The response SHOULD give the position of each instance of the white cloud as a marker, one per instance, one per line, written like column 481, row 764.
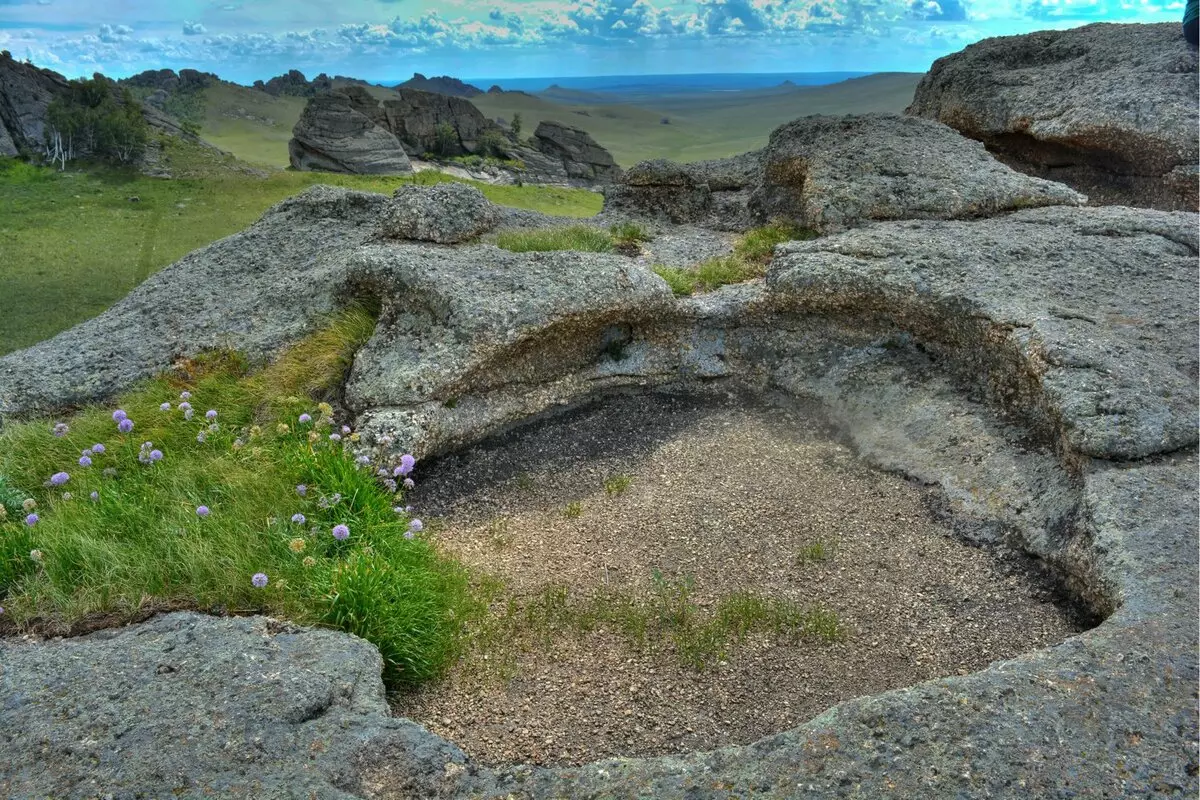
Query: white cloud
column 193, row 28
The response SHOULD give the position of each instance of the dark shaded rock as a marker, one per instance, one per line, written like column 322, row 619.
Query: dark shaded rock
column 295, row 84
column 415, row 117
column 831, row 173
column 163, row 79
column 660, row 188
column 332, row 135
column 581, row 157
column 495, row 89
column 25, row 94
column 1108, row 109
column 441, row 84
column 447, row 213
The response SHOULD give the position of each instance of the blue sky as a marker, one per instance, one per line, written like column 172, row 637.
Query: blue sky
column 387, row 40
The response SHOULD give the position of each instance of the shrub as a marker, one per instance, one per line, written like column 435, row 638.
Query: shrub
column 574, row 237
column 445, row 139
column 242, row 510
column 492, row 143
column 92, row 119
column 516, row 125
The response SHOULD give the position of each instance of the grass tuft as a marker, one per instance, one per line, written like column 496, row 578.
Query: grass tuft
column 617, row 484
column 123, row 531
column 584, row 238
column 758, row 245
column 749, row 260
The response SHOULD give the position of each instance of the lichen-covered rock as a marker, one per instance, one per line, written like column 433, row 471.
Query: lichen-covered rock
column 415, row 117
column 25, row 94
column 446, row 213
column 1110, row 109
column 333, row 135
column 832, row 173
column 714, row 193
column 581, row 157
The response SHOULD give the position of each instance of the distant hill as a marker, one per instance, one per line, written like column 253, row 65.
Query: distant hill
column 442, row 84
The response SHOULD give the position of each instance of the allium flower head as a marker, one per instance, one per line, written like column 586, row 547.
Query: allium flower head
column 410, row 534
column 165, row 407
column 67, row 496
column 362, row 461
column 214, row 428
column 301, row 490
column 95, row 496
column 345, row 430
column 188, row 414
column 298, row 519
column 125, row 425
column 416, row 525
column 202, row 511
column 98, row 448
column 32, row 520
column 296, row 545
column 313, row 436
column 335, row 437
column 185, row 406
column 60, row 430
column 202, row 437
column 156, row 455
column 85, row 461
column 409, row 483
column 259, row 579
column 119, row 415
column 399, row 509
column 325, row 408
column 36, row 555
column 391, row 485
column 407, row 462
column 210, row 414
column 341, row 532
column 185, row 395
column 59, row 478
column 305, row 419
column 29, row 504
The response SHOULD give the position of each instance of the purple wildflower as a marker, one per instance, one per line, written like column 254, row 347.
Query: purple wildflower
column 185, row 395
column 341, row 532
column 119, row 415
column 97, row 448
column 399, row 509
column 202, row 437
column 95, row 496
column 302, row 490
column 185, row 406
column 407, row 462
column 409, row 535
column 408, row 509
column 362, row 461
column 32, row 520
column 334, row 437
column 409, row 483
column 305, row 418
column 125, row 425
column 259, row 579
column 416, row 525
column 210, row 414
column 60, row 430
column 298, row 519
column 201, row 511
column 59, row 478
column 345, row 430
column 165, row 407
column 85, row 461
column 390, row 484
column 156, row 455
column 188, row 414
column 214, row 428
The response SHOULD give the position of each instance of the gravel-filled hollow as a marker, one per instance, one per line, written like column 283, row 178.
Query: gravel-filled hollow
column 725, row 495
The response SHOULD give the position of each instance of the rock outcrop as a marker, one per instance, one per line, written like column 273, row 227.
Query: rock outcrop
column 333, row 135
column 1108, row 109
column 415, row 117
column 25, row 94
column 441, row 84
column 832, row 173
column 447, row 213
column 581, row 158
column 1039, row 367
column 294, row 83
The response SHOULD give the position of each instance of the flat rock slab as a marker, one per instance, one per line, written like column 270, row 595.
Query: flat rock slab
column 1110, row 109
column 1097, row 307
column 832, row 173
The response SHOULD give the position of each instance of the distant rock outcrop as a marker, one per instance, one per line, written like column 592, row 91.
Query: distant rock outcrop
column 581, row 157
column 294, row 83
column 415, row 116
column 333, row 135
column 1108, row 109
column 441, row 84
column 168, row 80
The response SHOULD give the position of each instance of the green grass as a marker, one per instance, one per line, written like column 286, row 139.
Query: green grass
column 749, row 260
column 617, row 484
column 816, row 552
column 141, row 541
column 574, row 237
column 73, row 243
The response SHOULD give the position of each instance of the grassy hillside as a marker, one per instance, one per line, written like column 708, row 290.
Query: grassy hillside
column 74, row 243
column 252, row 125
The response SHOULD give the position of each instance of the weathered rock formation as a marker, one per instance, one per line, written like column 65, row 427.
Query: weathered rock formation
column 831, row 173
column 441, row 84
column 421, row 121
column 295, row 84
column 25, row 94
column 447, row 213
column 185, row 81
column 581, row 158
column 333, row 135
column 1108, row 109
column 1039, row 366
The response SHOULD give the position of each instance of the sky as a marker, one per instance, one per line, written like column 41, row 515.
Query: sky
column 388, row 40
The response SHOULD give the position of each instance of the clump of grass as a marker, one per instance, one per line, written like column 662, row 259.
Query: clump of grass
column 617, row 484
column 628, row 237
column 682, row 281
column 816, row 551
column 758, row 244
column 718, row 272
column 585, row 238
column 254, row 506
column 574, row 510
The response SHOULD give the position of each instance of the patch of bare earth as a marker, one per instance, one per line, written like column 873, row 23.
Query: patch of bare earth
column 735, row 496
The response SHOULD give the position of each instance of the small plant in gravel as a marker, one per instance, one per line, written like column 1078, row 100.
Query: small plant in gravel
column 220, row 486
column 574, row 510
column 500, row 533
column 816, row 551
column 586, row 238
column 525, row 482
column 628, row 237
column 617, row 484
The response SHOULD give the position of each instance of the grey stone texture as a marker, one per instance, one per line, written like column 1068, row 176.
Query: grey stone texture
column 580, row 156
column 334, row 136
column 446, row 213
column 1109, row 109
column 25, row 94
